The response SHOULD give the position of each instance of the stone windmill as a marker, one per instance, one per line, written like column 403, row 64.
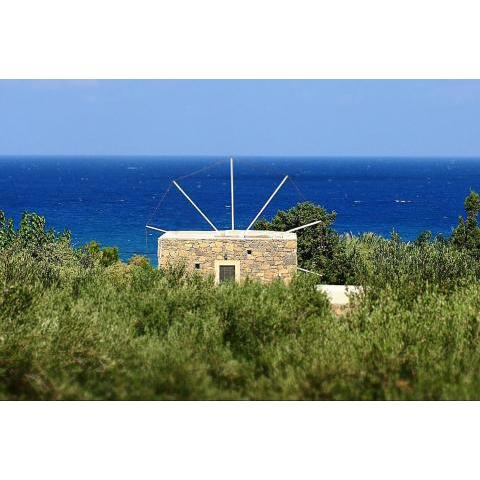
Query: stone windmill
column 232, row 255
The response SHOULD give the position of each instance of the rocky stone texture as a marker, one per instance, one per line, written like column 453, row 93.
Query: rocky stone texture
column 269, row 259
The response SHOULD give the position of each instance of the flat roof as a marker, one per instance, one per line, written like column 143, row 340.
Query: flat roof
column 229, row 234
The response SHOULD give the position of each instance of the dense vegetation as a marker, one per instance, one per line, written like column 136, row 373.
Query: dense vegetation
column 80, row 324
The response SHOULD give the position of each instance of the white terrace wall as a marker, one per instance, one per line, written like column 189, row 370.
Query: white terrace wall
column 263, row 259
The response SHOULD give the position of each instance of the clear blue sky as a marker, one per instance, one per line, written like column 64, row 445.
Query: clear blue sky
column 271, row 117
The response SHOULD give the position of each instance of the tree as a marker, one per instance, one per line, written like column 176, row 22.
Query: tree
column 109, row 256
column 467, row 233
column 106, row 256
column 320, row 248
column 7, row 230
column 31, row 234
column 423, row 238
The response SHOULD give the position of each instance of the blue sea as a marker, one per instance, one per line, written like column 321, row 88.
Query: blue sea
column 111, row 199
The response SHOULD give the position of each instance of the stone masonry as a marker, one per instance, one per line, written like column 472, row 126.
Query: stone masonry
column 260, row 255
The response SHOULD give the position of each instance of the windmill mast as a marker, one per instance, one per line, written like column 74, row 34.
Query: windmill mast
column 232, row 204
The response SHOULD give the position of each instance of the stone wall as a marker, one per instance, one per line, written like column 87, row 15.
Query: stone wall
column 269, row 258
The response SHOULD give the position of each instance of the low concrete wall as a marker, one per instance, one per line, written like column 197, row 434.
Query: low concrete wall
column 338, row 294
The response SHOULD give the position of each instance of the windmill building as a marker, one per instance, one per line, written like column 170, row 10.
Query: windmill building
column 232, row 255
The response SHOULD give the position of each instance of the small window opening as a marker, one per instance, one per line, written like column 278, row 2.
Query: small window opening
column 249, row 252
column 197, row 266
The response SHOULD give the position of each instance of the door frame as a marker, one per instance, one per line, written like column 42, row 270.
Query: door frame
column 235, row 263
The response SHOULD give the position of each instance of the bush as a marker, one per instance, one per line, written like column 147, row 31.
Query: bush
column 105, row 257
column 109, row 256
column 140, row 261
column 73, row 326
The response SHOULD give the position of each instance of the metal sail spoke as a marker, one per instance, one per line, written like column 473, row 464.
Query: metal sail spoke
column 267, row 202
column 304, row 226
column 194, row 205
column 156, row 228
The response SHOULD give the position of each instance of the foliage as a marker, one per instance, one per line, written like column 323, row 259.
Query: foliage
column 106, row 256
column 73, row 327
column 109, row 256
column 320, row 248
column 140, row 261
column 467, row 233
column 412, row 268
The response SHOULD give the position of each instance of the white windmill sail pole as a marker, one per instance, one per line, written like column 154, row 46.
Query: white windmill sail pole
column 267, row 202
column 194, row 205
column 304, row 226
column 155, row 228
column 309, row 271
column 231, row 192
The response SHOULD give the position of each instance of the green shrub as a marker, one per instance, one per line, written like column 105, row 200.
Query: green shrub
column 74, row 325
column 104, row 256
column 139, row 261
column 109, row 256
